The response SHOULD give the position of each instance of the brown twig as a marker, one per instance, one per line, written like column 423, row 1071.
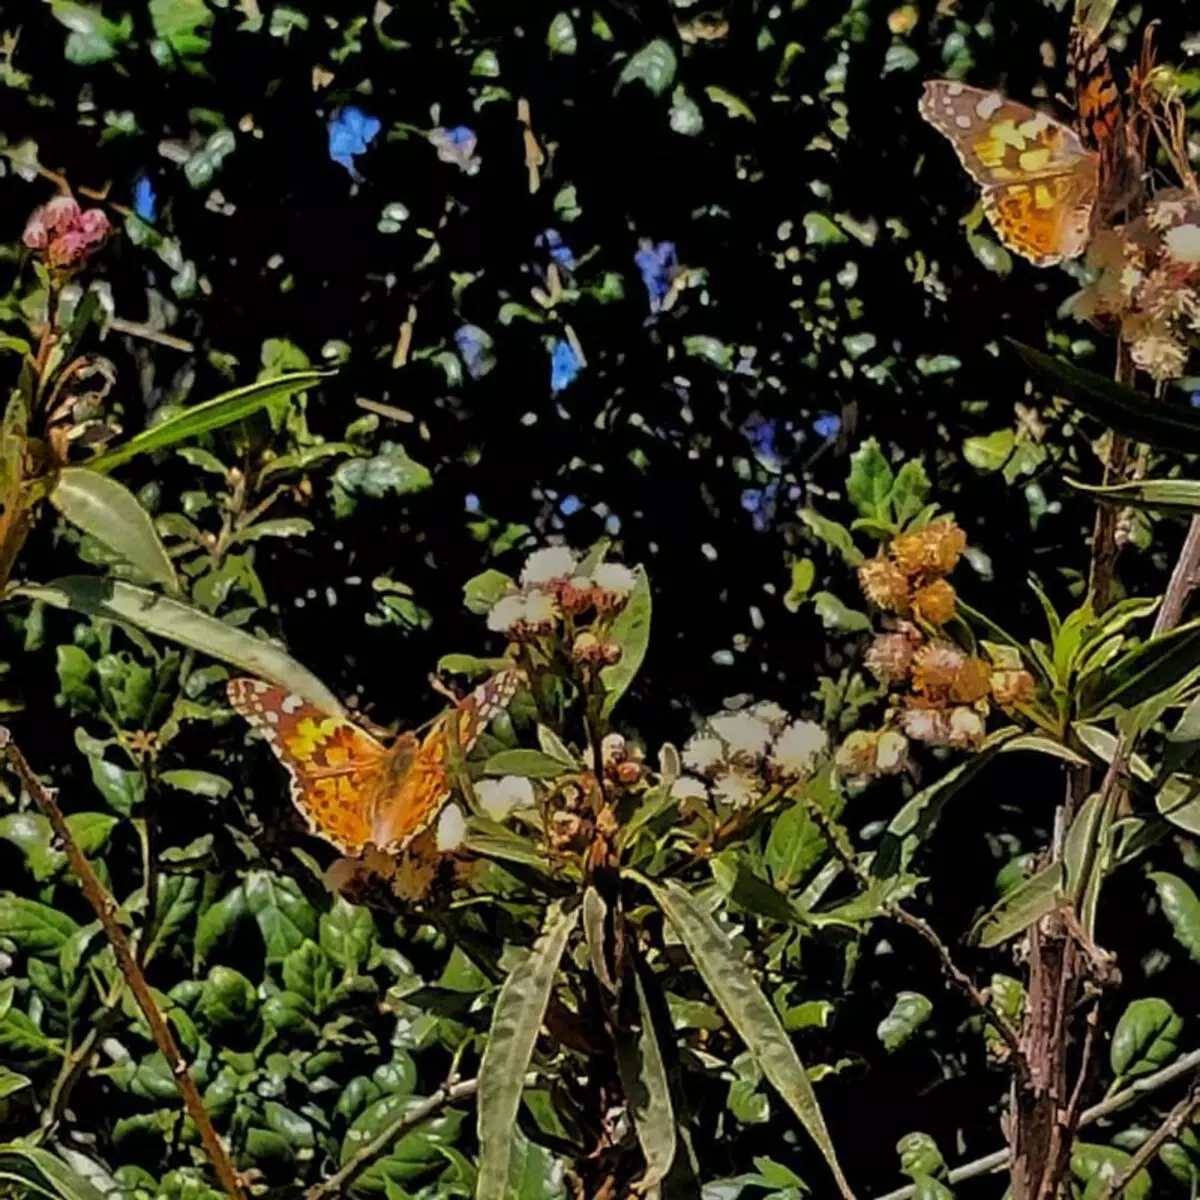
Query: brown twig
column 999, row 1158
column 978, row 997
column 336, row 1184
column 1176, row 1119
column 106, row 909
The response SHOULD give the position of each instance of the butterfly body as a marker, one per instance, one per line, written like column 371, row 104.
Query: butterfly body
column 352, row 789
column 1039, row 183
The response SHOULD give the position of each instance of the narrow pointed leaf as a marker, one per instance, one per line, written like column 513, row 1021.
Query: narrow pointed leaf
column 1163, row 495
column 180, row 622
column 211, row 414
column 644, row 1078
column 520, row 1009
column 1030, row 901
column 749, row 1012
column 110, row 512
column 1147, row 670
column 630, row 631
column 1130, row 412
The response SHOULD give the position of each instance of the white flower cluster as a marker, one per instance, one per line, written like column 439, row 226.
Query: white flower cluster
column 739, row 753
column 552, row 583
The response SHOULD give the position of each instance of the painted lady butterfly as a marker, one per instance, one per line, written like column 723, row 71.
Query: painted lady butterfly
column 1040, row 182
column 352, row 790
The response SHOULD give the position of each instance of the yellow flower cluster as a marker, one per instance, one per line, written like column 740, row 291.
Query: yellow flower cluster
column 909, row 580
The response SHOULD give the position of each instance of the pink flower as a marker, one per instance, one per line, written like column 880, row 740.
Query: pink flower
column 68, row 249
column 94, row 226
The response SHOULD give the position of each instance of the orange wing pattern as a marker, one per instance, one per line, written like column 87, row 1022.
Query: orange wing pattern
column 1040, row 184
column 353, row 791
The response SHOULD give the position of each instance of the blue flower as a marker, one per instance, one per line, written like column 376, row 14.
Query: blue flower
column 475, row 349
column 760, row 503
column 351, row 131
column 659, row 266
column 570, row 505
column 827, row 425
column 471, row 504
column 1195, row 398
column 761, row 433
column 456, row 146
column 558, row 250
column 564, row 365
column 145, row 202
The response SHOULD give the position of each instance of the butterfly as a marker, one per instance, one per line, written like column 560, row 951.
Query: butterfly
column 354, row 791
column 1040, row 183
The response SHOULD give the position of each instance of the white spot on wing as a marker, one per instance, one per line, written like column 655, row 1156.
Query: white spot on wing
column 989, row 105
column 963, row 121
column 289, row 704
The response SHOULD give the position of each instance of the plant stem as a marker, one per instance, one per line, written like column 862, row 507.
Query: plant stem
column 999, row 1158
column 106, row 909
column 336, row 1184
column 1176, row 1119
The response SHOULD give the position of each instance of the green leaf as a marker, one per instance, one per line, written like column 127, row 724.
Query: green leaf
column 1179, row 801
column 92, row 38
column 990, row 453
column 1147, row 670
column 182, row 24
column 285, row 918
column 1097, row 1167
column 728, row 978
column 11, row 1081
column 530, row 764
column 43, row 1174
column 910, row 492
column 836, row 617
column 347, row 933
column 198, row 783
column 109, row 512
column 1146, row 1038
column 216, row 413
column 836, row 537
column 1133, row 413
column 560, row 37
column 389, row 471
column 180, row 622
column 631, row 631
column 516, row 1019
column 795, row 845
column 870, row 482
column 1163, row 495
column 733, row 105
column 1181, row 908
column 481, row 592
column 647, row 1091
column 653, row 65
column 36, row 928
column 218, row 922
column 227, row 999
column 33, row 835
column 909, row 1012
column 1021, row 907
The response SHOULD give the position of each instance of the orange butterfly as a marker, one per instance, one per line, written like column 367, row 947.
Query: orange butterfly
column 352, row 790
column 1040, row 183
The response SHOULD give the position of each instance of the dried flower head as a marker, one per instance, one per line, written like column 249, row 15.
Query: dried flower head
column 934, row 550
column 704, row 754
column 871, row 752
column 928, row 725
column 775, row 715
column 884, row 584
column 506, row 614
column 935, row 668
column 736, row 788
column 547, row 565
column 890, row 657
column 612, row 585
column 687, row 788
column 746, row 736
column 935, row 602
column 541, row 612
column 966, row 729
column 798, row 750
column 1012, row 687
column 500, row 797
column 972, row 683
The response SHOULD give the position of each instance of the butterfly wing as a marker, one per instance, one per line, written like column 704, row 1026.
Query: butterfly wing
column 419, row 791
column 1040, row 183
column 336, row 769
